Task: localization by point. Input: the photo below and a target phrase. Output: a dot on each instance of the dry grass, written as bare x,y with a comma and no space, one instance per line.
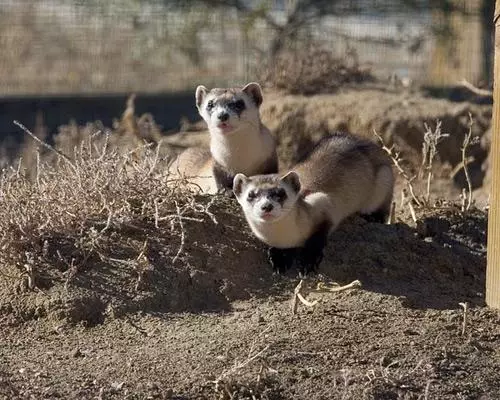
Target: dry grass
312,70
411,197
69,210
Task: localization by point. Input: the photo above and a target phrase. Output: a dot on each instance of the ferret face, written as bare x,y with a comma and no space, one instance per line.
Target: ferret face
266,198
226,111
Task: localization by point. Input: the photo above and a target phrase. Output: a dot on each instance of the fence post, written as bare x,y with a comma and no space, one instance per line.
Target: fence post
493,268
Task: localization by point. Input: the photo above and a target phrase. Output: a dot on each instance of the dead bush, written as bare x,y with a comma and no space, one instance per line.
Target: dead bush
104,231
69,212
312,70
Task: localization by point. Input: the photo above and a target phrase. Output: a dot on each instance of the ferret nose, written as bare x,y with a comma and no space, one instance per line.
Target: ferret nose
267,207
223,116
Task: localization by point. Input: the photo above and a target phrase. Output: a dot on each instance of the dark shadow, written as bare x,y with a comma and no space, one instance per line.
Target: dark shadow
438,265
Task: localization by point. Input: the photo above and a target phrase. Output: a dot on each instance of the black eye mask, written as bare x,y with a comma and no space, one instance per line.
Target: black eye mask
210,106
278,195
237,106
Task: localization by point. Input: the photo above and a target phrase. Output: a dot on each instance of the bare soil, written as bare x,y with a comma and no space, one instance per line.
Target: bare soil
217,324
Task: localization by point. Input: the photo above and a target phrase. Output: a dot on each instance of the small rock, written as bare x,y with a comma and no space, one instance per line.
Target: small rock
77,353
117,385
259,319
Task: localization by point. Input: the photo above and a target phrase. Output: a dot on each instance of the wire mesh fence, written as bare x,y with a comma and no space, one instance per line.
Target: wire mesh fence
71,46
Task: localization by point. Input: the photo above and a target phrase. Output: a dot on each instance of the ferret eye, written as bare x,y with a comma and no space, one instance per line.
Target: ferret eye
251,196
238,106
279,195
210,105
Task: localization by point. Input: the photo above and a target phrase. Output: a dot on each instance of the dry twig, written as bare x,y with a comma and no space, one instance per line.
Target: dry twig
465,308
476,90
41,142
429,151
396,159
468,141
321,287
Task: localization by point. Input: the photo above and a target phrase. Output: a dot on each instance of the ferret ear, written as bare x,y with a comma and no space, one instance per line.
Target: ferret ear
292,179
254,90
201,92
238,182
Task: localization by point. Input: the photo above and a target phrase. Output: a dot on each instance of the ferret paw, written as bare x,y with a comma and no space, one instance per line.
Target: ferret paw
309,261
379,217
280,259
311,255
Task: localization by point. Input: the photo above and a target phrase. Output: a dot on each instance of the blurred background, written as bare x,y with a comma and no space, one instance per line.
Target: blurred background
79,60
116,46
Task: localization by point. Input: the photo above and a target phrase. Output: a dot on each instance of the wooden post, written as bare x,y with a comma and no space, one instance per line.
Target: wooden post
459,55
493,268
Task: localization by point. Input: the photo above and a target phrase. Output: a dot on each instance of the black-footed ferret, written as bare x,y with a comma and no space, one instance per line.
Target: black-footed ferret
342,175
239,141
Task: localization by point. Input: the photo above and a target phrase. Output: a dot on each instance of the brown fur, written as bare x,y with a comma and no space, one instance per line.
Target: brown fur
343,161
195,164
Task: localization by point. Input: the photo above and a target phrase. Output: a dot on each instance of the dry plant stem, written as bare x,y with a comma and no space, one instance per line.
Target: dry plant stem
475,90
465,307
429,152
427,389
305,302
461,165
46,145
324,288
428,192
466,143
243,364
183,234
405,202
250,358
321,287
463,200
297,289
298,295
412,212
205,210
396,159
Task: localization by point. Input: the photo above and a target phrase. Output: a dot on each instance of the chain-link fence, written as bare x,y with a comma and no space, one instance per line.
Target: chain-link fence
76,46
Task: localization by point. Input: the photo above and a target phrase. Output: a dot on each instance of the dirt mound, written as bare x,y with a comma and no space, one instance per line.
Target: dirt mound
398,117
107,232
434,265
210,262
397,336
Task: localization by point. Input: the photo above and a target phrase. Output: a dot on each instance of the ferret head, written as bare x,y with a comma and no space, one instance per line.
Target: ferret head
266,198
227,111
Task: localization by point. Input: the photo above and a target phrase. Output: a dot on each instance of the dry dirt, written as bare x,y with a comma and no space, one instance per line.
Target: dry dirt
217,324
